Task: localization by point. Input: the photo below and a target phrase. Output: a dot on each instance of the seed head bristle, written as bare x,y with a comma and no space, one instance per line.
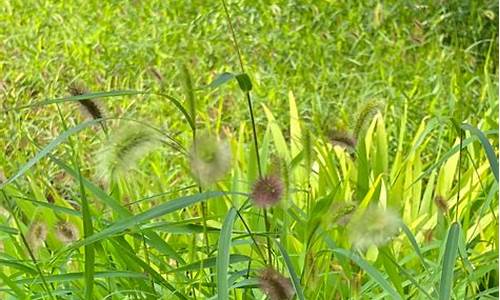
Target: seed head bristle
441,203
267,191
188,89
125,146
375,226
275,285
343,139
37,233
90,107
366,114
2,177
67,232
210,159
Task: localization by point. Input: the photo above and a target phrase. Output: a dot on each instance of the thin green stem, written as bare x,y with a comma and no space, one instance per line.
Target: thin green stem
254,129
268,240
235,41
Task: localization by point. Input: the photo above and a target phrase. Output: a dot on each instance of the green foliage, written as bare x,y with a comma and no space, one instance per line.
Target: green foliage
416,84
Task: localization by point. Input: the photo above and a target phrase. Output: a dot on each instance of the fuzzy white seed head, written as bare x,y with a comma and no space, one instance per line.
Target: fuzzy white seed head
375,226
67,232
210,159
275,285
124,148
37,233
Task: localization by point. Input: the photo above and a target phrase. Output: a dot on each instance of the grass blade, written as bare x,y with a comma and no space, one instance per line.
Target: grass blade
291,271
374,273
220,80
490,153
77,98
122,246
152,213
88,230
449,258
209,263
414,243
47,149
153,239
223,255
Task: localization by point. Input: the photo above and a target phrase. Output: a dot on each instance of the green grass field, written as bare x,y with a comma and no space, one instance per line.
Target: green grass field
129,167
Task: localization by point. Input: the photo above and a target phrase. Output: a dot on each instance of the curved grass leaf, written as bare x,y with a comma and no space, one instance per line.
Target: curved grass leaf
374,273
155,212
414,243
209,263
78,98
152,237
8,230
17,265
68,277
223,255
449,258
17,290
490,153
244,82
55,208
220,80
47,149
390,258
104,95
88,230
121,245
291,271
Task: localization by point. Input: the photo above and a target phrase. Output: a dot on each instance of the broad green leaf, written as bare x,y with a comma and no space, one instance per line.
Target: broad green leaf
244,82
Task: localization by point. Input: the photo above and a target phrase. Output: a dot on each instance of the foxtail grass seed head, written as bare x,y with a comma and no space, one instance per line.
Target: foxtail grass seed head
267,191
67,232
210,159
89,107
344,140
37,233
441,203
124,148
275,285
365,115
2,177
374,227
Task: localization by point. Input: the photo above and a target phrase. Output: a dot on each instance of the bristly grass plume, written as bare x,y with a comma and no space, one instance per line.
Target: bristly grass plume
441,203
365,114
124,147
275,285
210,159
267,191
67,232
374,227
343,139
37,233
89,107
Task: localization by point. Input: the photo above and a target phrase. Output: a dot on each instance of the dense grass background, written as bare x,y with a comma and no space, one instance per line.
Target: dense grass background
313,66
